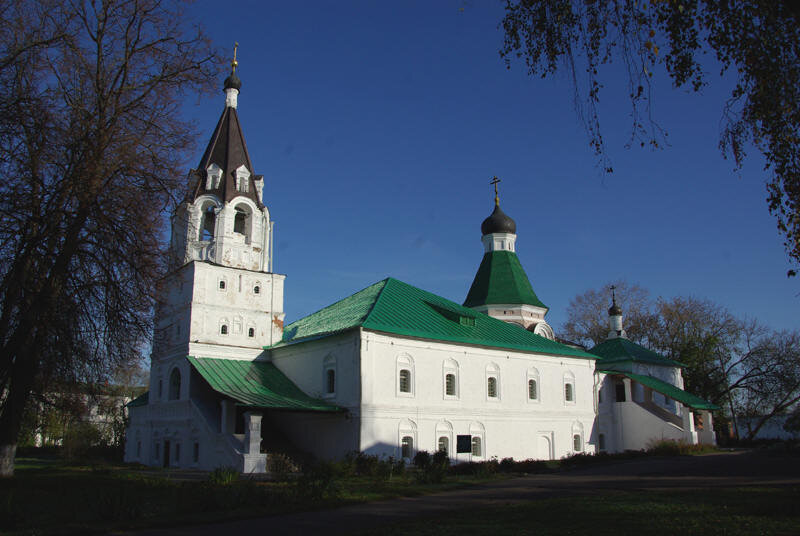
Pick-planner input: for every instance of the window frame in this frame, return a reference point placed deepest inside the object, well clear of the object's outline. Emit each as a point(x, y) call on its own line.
point(569, 389)
point(493, 372)
point(405, 362)
point(533, 375)
point(450, 368)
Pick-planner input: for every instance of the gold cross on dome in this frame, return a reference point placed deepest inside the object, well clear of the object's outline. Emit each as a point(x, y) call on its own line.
point(494, 182)
point(234, 63)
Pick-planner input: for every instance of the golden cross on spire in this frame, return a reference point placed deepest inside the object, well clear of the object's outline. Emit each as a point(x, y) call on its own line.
point(613, 294)
point(494, 181)
point(234, 63)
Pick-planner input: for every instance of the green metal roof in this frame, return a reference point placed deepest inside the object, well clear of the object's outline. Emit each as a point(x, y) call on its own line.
point(256, 384)
point(392, 306)
point(622, 349)
point(140, 400)
point(501, 280)
point(668, 389)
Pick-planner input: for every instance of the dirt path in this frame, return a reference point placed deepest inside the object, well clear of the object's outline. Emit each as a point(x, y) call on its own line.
point(734, 469)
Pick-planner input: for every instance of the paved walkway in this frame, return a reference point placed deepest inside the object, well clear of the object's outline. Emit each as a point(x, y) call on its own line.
point(735, 469)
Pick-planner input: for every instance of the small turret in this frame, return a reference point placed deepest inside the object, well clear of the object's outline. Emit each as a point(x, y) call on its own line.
point(615, 317)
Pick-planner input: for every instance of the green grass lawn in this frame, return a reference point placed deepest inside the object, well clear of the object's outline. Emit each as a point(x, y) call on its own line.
point(741, 511)
point(55, 497)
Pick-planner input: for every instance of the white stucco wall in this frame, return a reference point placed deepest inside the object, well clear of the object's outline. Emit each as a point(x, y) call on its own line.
point(512, 425)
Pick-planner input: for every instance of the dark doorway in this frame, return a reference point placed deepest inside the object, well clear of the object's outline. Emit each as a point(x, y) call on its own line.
point(620, 391)
point(166, 453)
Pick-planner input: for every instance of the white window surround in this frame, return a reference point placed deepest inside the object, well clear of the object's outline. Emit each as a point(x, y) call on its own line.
point(242, 176)
point(405, 362)
point(493, 372)
point(477, 430)
point(224, 326)
point(444, 430)
point(577, 437)
point(406, 429)
point(533, 375)
point(569, 380)
point(450, 366)
point(213, 176)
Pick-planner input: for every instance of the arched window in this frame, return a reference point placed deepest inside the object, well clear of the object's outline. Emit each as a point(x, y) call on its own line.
point(256, 289)
point(450, 384)
point(478, 433)
point(450, 372)
point(533, 385)
point(243, 221)
point(223, 329)
point(329, 375)
point(251, 332)
point(491, 387)
point(476, 446)
point(208, 221)
point(330, 381)
point(407, 447)
point(222, 284)
point(577, 437)
point(407, 438)
point(492, 382)
point(569, 388)
point(405, 375)
point(174, 384)
point(444, 435)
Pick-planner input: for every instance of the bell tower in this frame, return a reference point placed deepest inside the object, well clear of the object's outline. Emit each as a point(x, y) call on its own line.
point(221, 298)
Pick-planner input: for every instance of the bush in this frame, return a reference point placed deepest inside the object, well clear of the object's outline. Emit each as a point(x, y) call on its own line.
point(508, 465)
point(422, 460)
point(668, 447)
point(280, 465)
point(319, 481)
point(224, 476)
point(80, 439)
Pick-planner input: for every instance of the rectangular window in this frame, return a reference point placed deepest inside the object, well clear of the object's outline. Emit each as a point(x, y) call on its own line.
point(450, 385)
point(463, 444)
point(476, 446)
point(532, 389)
point(569, 395)
point(330, 381)
point(196, 452)
point(576, 443)
point(601, 442)
point(177, 452)
point(407, 447)
point(491, 387)
point(405, 381)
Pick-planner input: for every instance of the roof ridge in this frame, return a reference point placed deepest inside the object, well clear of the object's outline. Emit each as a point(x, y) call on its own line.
point(385, 281)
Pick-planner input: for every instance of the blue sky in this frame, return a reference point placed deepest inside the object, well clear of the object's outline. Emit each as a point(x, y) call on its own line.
point(378, 125)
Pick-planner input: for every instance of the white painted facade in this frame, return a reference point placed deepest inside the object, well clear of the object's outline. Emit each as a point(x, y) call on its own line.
point(399, 394)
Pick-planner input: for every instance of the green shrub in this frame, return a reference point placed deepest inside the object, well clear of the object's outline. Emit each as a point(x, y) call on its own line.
point(422, 460)
point(319, 481)
point(224, 475)
point(668, 447)
point(507, 465)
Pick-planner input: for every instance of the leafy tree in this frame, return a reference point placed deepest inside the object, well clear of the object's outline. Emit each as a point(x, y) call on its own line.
point(92, 148)
point(738, 364)
point(587, 318)
point(758, 41)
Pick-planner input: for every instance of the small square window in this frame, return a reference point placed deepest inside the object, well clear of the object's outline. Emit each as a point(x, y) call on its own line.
point(256, 289)
point(222, 284)
point(223, 329)
point(251, 332)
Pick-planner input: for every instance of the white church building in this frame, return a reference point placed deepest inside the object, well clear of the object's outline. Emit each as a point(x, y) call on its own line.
point(389, 370)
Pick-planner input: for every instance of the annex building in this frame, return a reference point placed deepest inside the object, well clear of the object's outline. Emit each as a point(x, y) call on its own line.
point(389, 370)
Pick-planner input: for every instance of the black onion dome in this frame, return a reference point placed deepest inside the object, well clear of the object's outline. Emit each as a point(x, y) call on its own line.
point(614, 310)
point(233, 82)
point(498, 222)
